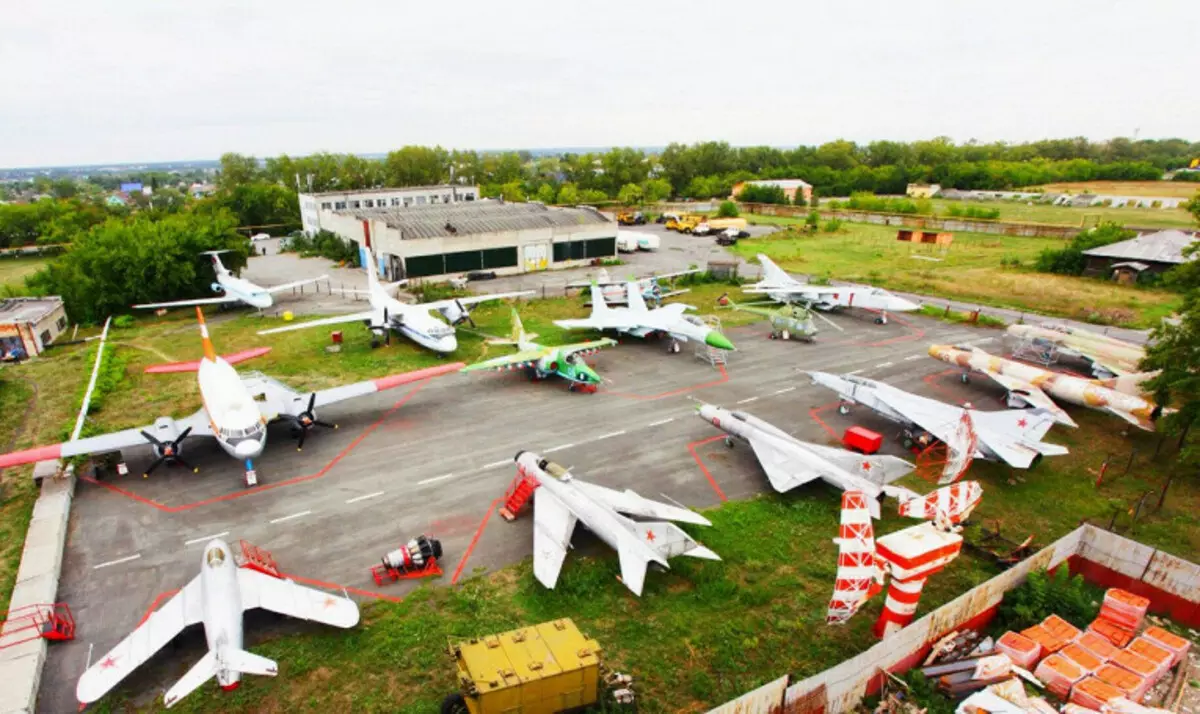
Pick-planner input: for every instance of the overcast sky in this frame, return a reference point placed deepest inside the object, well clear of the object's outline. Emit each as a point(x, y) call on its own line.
point(153, 80)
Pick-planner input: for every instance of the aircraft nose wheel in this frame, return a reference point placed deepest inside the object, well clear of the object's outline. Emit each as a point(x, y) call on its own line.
point(843, 409)
point(729, 442)
point(674, 347)
point(965, 377)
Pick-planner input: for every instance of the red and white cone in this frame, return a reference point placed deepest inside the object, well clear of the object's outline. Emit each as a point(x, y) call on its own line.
point(901, 606)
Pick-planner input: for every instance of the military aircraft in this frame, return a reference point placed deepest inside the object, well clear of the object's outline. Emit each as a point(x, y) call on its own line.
point(1108, 356)
point(216, 599)
point(781, 287)
point(235, 289)
point(639, 321)
point(561, 499)
point(235, 411)
point(1013, 436)
point(565, 361)
point(416, 321)
point(1033, 386)
point(788, 321)
point(790, 463)
point(652, 290)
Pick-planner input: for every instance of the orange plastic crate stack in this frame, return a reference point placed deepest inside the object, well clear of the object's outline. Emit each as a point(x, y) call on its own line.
point(1061, 629)
point(1111, 631)
point(1097, 645)
point(1059, 674)
point(1135, 686)
point(1039, 634)
point(1094, 693)
point(1176, 645)
point(1161, 658)
point(1124, 608)
point(1023, 651)
point(1081, 656)
point(1137, 664)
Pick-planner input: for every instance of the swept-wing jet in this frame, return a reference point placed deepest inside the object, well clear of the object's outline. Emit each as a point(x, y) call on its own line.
point(235, 411)
point(789, 321)
point(1033, 386)
point(1108, 356)
point(216, 599)
point(647, 537)
point(781, 287)
point(652, 290)
point(639, 321)
point(1013, 436)
point(789, 462)
point(542, 361)
point(414, 321)
point(234, 289)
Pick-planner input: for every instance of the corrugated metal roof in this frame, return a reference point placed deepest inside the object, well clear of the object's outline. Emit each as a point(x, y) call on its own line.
point(439, 220)
point(27, 309)
point(1161, 247)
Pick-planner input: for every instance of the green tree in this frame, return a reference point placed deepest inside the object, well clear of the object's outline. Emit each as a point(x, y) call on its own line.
point(630, 194)
point(568, 194)
point(762, 193)
point(1071, 260)
point(64, 188)
point(256, 204)
point(236, 170)
point(1193, 207)
point(512, 191)
point(727, 209)
point(813, 220)
point(546, 193)
point(119, 263)
point(655, 190)
point(416, 166)
point(592, 195)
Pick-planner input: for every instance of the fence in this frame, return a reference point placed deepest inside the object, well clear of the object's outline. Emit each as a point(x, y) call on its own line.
point(907, 220)
point(1172, 585)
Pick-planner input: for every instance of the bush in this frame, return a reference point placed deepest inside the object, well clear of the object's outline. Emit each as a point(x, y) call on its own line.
point(866, 201)
point(959, 211)
point(1071, 260)
point(1192, 176)
point(762, 193)
point(833, 225)
point(812, 221)
point(1044, 594)
point(800, 199)
point(123, 321)
point(727, 209)
point(324, 244)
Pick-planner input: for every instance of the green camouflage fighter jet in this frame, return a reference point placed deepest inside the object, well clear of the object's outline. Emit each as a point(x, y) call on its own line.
point(541, 361)
point(788, 322)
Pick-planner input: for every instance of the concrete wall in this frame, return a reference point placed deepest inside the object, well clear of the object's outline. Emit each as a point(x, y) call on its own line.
point(37, 583)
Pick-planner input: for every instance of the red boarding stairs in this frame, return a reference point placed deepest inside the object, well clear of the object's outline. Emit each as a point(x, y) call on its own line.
point(379, 572)
point(259, 559)
point(23, 624)
point(517, 495)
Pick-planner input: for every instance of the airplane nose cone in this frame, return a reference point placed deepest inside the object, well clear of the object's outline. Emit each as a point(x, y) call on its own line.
point(899, 304)
point(716, 339)
point(248, 449)
point(707, 412)
point(448, 343)
point(937, 351)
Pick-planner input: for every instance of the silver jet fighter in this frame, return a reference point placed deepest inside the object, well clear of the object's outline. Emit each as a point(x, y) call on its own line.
point(639, 321)
point(781, 287)
point(561, 499)
point(216, 598)
point(1013, 436)
point(790, 463)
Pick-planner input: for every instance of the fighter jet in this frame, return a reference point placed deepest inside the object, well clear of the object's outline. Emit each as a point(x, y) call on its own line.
point(652, 290)
point(782, 287)
point(216, 599)
point(1108, 356)
point(1013, 436)
point(561, 499)
point(639, 321)
point(790, 463)
point(235, 411)
point(416, 321)
point(235, 289)
point(1033, 386)
point(565, 361)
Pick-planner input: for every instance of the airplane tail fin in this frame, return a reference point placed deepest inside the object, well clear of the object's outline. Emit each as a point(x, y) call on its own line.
point(599, 307)
point(633, 294)
point(249, 663)
point(773, 273)
point(633, 568)
point(518, 330)
point(218, 266)
point(668, 540)
point(200, 673)
point(372, 271)
point(210, 353)
point(1129, 383)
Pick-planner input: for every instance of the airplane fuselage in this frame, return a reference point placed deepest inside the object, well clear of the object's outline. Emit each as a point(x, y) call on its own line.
point(415, 323)
point(222, 606)
point(243, 290)
point(237, 424)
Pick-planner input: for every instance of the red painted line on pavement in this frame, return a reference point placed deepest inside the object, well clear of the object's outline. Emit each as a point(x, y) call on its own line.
point(474, 541)
point(815, 414)
point(269, 486)
point(700, 462)
point(914, 333)
point(932, 381)
point(724, 378)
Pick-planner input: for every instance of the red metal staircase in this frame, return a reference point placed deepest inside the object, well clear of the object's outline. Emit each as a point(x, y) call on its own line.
point(256, 558)
point(22, 624)
point(517, 495)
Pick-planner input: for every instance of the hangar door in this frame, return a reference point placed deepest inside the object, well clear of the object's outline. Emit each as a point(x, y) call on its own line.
point(536, 257)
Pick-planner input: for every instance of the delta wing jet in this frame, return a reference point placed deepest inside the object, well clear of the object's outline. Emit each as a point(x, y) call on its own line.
point(615, 517)
point(564, 361)
point(1013, 436)
point(639, 321)
point(234, 289)
point(781, 287)
point(1028, 385)
point(235, 411)
point(1108, 356)
point(790, 463)
point(652, 290)
point(414, 321)
point(216, 599)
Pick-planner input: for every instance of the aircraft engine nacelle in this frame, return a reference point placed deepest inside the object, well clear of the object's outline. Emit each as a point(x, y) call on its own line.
point(548, 364)
point(453, 313)
point(414, 555)
point(216, 288)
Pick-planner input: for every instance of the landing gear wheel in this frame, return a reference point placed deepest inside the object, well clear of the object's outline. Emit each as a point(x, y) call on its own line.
point(881, 320)
point(729, 442)
point(772, 336)
point(454, 704)
point(965, 377)
point(843, 409)
point(674, 347)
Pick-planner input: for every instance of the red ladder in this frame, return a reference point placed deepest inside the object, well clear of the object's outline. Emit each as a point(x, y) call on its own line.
point(22, 624)
point(517, 495)
point(256, 558)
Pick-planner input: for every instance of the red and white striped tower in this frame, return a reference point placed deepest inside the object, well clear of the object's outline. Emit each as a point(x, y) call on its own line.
point(911, 555)
point(859, 576)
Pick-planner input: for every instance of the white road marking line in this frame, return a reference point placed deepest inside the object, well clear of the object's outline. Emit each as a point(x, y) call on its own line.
point(494, 464)
point(747, 400)
point(881, 365)
point(832, 324)
point(435, 479)
point(660, 422)
point(204, 538)
point(609, 435)
point(857, 371)
point(783, 391)
point(557, 448)
point(288, 518)
point(910, 358)
point(118, 561)
point(356, 499)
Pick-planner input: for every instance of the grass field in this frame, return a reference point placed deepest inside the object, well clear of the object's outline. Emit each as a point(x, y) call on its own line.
point(13, 271)
point(1178, 189)
point(1017, 212)
point(971, 270)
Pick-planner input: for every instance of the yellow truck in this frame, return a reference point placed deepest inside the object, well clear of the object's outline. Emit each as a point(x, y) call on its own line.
point(683, 222)
point(543, 669)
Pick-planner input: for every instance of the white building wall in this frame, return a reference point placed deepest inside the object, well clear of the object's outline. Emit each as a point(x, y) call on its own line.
point(315, 206)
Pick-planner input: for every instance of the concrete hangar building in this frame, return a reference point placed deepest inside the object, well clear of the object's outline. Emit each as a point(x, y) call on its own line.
point(454, 238)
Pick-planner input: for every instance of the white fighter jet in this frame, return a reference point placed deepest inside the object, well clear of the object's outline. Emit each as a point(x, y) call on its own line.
point(216, 598)
point(414, 321)
point(561, 499)
point(781, 287)
point(1013, 436)
point(652, 289)
point(236, 410)
point(639, 321)
point(235, 289)
point(790, 463)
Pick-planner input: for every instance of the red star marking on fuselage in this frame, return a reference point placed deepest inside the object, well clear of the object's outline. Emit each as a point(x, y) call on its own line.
point(330, 601)
point(1022, 423)
point(866, 466)
point(650, 536)
point(108, 662)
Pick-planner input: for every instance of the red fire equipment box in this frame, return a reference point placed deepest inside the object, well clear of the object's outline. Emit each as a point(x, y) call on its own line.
point(862, 440)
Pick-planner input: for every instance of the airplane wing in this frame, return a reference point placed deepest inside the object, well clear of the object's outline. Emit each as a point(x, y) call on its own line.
point(553, 524)
point(288, 598)
point(1134, 420)
point(1033, 394)
point(335, 320)
point(115, 441)
point(519, 359)
point(182, 303)
point(631, 503)
point(879, 468)
point(281, 398)
point(1015, 435)
point(294, 284)
point(599, 322)
point(439, 304)
point(185, 609)
point(783, 471)
point(589, 346)
point(754, 310)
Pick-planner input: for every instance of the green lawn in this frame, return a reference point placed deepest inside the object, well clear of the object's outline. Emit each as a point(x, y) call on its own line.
point(1018, 212)
point(13, 271)
point(970, 270)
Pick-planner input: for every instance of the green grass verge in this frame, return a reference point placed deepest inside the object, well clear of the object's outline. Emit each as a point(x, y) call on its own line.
point(13, 272)
point(1018, 212)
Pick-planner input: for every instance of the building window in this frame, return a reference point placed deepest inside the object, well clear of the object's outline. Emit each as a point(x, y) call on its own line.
point(420, 200)
point(499, 258)
point(339, 205)
point(61, 324)
point(368, 203)
point(470, 197)
point(45, 337)
point(407, 202)
point(356, 204)
point(395, 202)
point(326, 206)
